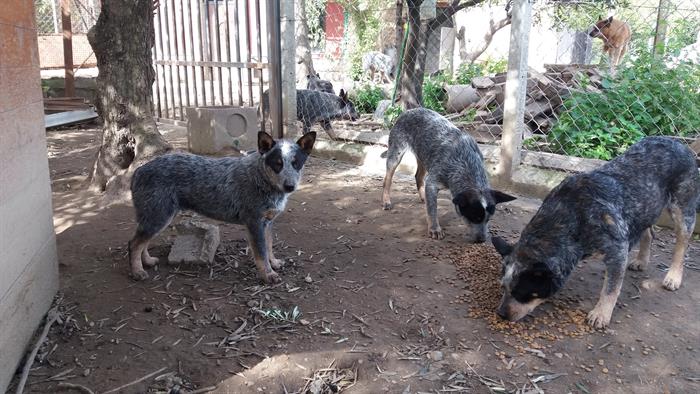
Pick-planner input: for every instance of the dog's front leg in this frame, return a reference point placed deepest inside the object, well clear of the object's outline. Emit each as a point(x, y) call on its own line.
point(431, 192)
point(269, 241)
point(615, 265)
point(256, 240)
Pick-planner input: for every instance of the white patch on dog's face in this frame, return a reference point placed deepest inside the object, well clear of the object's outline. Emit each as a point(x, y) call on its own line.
point(284, 164)
point(508, 275)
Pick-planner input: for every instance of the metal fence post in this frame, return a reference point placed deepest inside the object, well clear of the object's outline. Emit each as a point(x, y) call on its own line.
point(516, 85)
point(275, 70)
point(288, 61)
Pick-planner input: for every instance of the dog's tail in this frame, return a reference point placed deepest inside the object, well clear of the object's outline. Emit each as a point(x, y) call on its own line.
point(383, 155)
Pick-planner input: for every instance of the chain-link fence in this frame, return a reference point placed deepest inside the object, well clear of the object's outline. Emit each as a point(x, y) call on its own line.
point(590, 91)
point(83, 15)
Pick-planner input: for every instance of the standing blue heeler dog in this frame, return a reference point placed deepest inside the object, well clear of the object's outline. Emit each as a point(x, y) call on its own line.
point(317, 107)
point(447, 158)
point(603, 213)
point(250, 190)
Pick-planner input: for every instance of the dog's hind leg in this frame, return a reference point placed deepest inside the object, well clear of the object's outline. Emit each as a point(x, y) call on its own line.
point(269, 240)
point(393, 158)
point(599, 317)
point(641, 262)
point(431, 192)
point(256, 240)
point(152, 220)
point(683, 222)
point(420, 180)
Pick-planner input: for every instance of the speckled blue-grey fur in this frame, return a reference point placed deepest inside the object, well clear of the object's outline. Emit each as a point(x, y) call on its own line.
point(250, 190)
point(603, 213)
point(452, 160)
point(377, 62)
point(314, 82)
point(318, 107)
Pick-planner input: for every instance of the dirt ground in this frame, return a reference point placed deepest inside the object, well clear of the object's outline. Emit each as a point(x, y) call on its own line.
point(381, 305)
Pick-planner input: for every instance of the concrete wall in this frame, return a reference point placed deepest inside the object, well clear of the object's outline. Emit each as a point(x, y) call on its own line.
point(28, 262)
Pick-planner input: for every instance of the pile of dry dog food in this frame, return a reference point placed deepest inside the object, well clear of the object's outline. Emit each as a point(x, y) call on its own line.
point(479, 266)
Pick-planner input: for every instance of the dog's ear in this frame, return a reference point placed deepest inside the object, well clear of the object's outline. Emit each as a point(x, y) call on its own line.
point(343, 95)
point(308, 76)
point(265, 142)
point(500, 197)
point(502, 246)
point(318, 75)
point(306, 142)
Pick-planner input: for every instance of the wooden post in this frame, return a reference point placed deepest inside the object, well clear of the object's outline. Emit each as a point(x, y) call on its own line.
point(69, 81)
point(288, 67)
point(275, 69)
point(516, 84)
point(661, 28)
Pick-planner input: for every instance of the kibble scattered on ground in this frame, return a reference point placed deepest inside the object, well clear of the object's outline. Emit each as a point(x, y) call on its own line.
point(479, 266)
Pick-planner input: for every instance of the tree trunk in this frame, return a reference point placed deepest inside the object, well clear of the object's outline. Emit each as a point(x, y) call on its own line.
point(399, 27)
point(494, 27)
point(411, 89)
point(303, 51)
point(122, 39)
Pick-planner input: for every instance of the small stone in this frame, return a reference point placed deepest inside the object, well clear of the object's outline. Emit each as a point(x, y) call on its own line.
point(645, 352)
point(601, 362)
point(558, 355)
point(605, 370)
point(252, 303)
point(308, 279)
point(86, 372)
point(436, 355)
point(618, 380)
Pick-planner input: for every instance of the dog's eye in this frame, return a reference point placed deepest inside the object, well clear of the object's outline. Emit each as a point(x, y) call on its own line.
point(279, 163)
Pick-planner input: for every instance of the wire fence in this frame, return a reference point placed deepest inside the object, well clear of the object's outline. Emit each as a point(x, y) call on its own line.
point(600, 74)
point(48, 14)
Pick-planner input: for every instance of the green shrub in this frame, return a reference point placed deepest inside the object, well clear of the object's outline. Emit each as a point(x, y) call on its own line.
point(646, 98)
point(367, 97)
point(467, 71)
point(391, 114)
point(434, 95)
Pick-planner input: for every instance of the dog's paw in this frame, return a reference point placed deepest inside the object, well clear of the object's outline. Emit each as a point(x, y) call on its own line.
point(598, 319)
point(637, 265)
point(272, 277)
point(387, 206)
point(150, 261)
point(672, 282)
point(139, 275)
point(436, 233)
point(276, 263)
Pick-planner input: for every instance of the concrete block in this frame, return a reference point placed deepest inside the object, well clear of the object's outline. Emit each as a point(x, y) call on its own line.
point(196, 243)
point(213, 129)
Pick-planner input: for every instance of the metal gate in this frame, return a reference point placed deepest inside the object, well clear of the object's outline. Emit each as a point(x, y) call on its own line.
point(209, 53)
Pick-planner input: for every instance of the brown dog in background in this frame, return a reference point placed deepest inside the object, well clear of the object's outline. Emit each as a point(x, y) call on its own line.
point(616, 36)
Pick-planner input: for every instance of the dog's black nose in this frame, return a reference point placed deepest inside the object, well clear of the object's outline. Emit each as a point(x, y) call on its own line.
point(288, 188)
point(502, 312)
point(480, 239)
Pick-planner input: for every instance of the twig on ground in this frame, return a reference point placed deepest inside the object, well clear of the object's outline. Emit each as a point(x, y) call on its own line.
point(74, 386)
point(139, 380)
point(51, 318)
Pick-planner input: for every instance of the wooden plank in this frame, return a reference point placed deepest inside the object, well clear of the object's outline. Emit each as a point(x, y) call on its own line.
point(68, 117)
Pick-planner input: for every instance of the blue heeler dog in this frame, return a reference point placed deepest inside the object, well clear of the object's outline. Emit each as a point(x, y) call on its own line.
point(250, 190)
point(314, 82)
point(378, 63)
point(603, 213)
point(317, 107)
point(447, 158)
